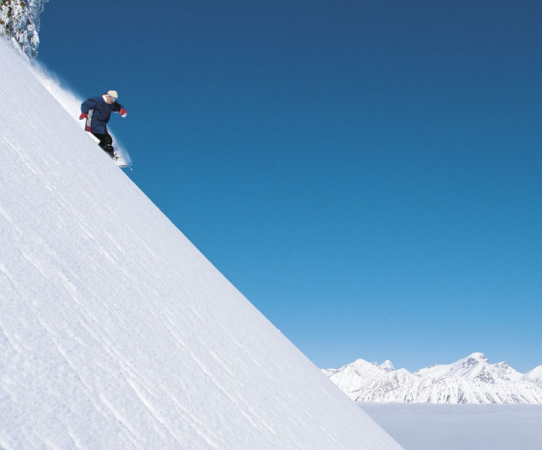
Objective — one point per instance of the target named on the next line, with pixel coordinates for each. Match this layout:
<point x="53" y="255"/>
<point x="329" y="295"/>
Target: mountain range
<point x="469" y="380"/>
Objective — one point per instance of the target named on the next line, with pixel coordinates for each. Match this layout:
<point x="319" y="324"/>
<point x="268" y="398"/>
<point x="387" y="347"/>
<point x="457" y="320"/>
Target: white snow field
<point x="424" y="426"/>
<point x="115" y="332"/>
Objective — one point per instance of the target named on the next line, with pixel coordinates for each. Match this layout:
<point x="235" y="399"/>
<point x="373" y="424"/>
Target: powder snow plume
<point x="71" y="102"/>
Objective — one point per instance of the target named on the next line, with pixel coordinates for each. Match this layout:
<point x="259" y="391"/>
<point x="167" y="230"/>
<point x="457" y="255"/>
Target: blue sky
<point x="368" y="174"/>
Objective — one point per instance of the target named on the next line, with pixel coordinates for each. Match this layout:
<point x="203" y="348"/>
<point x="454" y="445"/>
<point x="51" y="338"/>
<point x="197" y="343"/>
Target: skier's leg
<point x="106" y="142"/>
<point x="107" y="145"/>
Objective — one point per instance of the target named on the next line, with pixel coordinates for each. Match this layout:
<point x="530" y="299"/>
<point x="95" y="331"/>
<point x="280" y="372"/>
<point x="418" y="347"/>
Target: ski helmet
<point x="113" y="94"/>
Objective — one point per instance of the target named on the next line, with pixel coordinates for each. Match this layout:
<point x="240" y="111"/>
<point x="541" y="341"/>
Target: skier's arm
<point x="118" y="108"/>
<point x="87" y="105"/>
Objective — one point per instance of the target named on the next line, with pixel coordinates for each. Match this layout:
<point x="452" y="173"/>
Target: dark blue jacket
<point x="99" y="113"/>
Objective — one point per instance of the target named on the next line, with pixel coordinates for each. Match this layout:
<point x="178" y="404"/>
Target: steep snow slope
<point x="115" y="332"/>
<point x="470" y="380"/>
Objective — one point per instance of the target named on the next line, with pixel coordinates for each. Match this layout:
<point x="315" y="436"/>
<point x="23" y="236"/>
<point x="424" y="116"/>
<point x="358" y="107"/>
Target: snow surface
<point x="115" y="332"/>
<point x="469" y="380"/>
<point x="460" y="427"/>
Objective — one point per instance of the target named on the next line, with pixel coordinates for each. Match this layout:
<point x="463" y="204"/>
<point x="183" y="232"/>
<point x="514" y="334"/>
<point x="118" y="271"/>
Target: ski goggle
<point x="113" y="99"/>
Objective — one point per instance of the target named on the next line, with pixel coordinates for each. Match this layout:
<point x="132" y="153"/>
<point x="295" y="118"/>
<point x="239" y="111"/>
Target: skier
<point x="97" y="112"/>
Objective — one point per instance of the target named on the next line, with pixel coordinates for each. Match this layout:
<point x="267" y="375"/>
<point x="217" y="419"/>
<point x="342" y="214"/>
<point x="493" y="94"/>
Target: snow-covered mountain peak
<point x="474" y="366"/>
<point x="386" y="366"/>
<point x="535" y="375"/>
<point x="367" y="369"/>
<point x="476" y="358"/>
<point x="362" y="368"/>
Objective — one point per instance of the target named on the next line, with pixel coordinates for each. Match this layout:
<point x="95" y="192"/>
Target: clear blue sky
<point x="368" y="174"/>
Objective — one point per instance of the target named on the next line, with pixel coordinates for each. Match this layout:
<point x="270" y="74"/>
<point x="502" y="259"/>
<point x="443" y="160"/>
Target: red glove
<point x="123" y="113"/>
<point x="83" y="116"/>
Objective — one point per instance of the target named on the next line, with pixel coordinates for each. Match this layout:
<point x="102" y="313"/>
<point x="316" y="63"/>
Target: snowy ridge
<point x="470" y="380"/>
<point x="115" y="332"/>
<point x="20" y="21"/>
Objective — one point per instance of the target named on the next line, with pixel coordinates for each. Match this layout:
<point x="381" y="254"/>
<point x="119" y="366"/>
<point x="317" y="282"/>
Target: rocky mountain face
<point x="470" y="380"/>
<point x="20" y="22"/>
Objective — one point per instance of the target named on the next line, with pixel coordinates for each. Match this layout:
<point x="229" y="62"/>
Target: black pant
<point x="106" y="142"/>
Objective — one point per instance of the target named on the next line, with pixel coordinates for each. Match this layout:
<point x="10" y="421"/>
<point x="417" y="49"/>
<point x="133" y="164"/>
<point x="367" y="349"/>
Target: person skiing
<point x="97" y="112"/>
